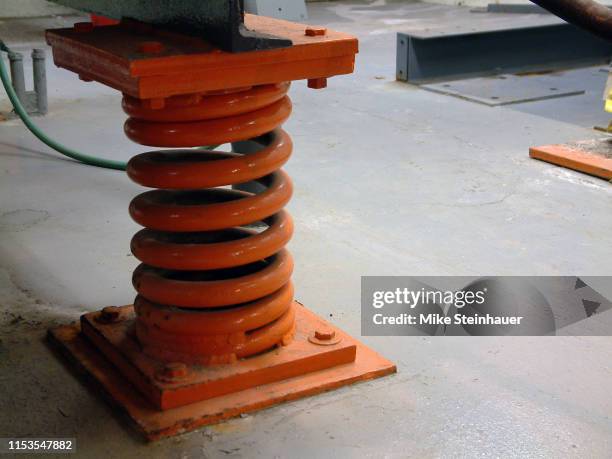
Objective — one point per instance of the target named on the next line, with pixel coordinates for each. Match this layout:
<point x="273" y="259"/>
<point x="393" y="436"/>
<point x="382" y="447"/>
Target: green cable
<point x="86" y="159"/>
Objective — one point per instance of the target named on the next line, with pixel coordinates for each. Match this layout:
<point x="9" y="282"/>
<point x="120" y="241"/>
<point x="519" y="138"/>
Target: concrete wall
<point x="29" y="8"/>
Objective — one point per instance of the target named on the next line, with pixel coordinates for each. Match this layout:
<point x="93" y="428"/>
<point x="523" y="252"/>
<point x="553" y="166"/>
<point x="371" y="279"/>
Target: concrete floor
<point x="390" y="180"/>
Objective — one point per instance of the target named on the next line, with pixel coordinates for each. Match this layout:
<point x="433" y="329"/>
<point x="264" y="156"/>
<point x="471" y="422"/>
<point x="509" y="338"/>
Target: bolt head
<point x="173" y="372"/>
<point x="315" y="31"/>
<point x="110" y="314"/>
<point x="325" y="334"/>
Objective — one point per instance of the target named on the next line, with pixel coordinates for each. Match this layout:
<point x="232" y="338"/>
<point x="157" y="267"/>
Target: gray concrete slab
<point x="390" y="180"/>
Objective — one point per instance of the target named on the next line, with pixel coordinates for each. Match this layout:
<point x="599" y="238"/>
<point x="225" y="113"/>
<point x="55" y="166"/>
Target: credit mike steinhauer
<point x="437" y="319"/>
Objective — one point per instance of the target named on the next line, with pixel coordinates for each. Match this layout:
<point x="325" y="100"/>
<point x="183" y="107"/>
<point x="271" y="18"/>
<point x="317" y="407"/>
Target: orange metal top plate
<point x="111" y="55"/>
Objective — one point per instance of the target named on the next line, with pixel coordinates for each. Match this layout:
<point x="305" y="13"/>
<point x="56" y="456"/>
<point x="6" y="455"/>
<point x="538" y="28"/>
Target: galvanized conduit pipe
<point x="33" y="101"/>
<point x="17" y="75"/>
<point x="40" y="80"/>
<point x="586" y="14"/>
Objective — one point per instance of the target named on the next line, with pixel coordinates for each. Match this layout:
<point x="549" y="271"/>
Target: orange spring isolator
<point x="211" y="288"/>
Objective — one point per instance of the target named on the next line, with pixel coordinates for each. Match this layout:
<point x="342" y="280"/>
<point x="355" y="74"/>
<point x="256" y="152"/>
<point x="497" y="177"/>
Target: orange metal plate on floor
<point x="187" y="65"/>
<point x="156" y="424"/>
<point x="596" y="159"/>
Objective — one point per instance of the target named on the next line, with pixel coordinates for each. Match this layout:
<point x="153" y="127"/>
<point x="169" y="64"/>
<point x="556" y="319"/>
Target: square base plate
<point x="508" y="89"/>
<point x="593" y="157"/>
<point x="155" y="423"/>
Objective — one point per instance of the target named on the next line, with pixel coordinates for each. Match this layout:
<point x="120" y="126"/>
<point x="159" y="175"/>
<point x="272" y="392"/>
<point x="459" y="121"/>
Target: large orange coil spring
<point x="210" y="288"/>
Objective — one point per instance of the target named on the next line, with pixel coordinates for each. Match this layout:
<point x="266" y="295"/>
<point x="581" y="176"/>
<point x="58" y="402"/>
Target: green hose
<point x="86" y="159"/>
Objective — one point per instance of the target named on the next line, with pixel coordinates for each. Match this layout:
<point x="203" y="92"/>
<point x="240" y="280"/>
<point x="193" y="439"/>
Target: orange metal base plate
<point x="336" y="368"/>
<point x="592" y="157"/>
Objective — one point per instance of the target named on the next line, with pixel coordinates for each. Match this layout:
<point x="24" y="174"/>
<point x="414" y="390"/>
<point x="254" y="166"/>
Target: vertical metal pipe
<point x="40" y="80"/>
<point x="17" y="75"/>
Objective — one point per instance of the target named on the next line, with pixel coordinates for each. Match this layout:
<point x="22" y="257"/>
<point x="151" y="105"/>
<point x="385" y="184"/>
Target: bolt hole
<point x="553" y="89"/>
<point x="494" y="97"/>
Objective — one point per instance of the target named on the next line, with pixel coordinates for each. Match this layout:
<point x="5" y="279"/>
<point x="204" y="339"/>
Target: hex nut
<point x="317" y="83"/>
<point x="173" y="372"/>
<point x="315" y="31"/>
<point x="109" y="315"/>
<point x="325" y="334"/>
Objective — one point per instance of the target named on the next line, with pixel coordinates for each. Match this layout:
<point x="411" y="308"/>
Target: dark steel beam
<point x="218" y="21"/>
<point x="429" y="56"/>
